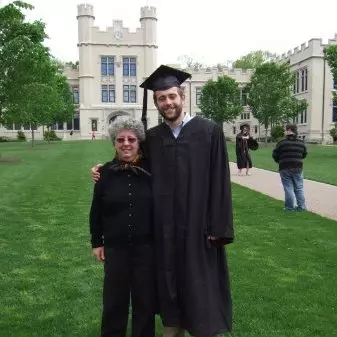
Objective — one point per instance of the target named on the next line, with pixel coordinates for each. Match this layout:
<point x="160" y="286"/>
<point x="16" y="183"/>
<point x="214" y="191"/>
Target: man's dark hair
<point x="292" y="128"/>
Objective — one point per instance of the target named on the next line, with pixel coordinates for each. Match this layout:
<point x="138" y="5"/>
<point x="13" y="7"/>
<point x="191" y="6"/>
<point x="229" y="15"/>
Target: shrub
<point x="333" y="133"/>
<point x="21" y="136"/>
<point x="50" y="135"/>
<point x="277" y="132"/>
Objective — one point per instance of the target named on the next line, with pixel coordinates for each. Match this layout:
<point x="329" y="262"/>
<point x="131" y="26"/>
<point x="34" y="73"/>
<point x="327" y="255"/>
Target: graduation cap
<point x="245" y="125"/>
<point x="162" y="78"/>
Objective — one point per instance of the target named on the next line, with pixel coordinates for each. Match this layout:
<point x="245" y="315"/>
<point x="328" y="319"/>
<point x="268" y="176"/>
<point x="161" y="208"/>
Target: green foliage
<point x="330" y="54"/>
<point x="50" y="135"/>
<point x="254" y="59"/>
<point x="32" y="88"/>
<point x="270" y="96"/>
<point x="220" y="100"/>
<point x="277" y="132"/>
<point x="21" y="136"/>
<point x="333" y="133"/>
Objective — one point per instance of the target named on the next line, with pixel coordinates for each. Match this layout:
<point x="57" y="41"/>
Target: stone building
<point x="114" y="62"/>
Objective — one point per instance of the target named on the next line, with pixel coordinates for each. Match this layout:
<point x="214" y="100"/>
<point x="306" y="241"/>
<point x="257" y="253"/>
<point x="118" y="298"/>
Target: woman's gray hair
<point x="126" y="123"/>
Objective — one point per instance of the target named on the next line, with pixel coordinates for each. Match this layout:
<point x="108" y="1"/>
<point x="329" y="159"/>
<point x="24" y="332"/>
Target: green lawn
<point x="283" y="266"/>
<point x="320" y="165"/>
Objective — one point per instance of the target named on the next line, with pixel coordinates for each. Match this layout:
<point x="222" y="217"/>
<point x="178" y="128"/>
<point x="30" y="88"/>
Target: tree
<point x="330" y="54"/>
<point x="37" y="105"/>
<point x="270" y="97"/>
<point x="277" y="132"/>
<point x="188" y="62"/>
<point x="32" y="89"/>
<point x="18" y="55"/>
<point x="220" y="100"/>
<point x="254" y="59"/>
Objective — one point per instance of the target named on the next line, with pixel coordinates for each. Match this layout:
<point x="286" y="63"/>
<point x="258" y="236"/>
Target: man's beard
<point x="178" y="110"/>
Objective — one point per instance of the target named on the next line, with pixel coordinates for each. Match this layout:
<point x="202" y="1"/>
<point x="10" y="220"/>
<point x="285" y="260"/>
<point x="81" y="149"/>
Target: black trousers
<point x="129" y="269"/>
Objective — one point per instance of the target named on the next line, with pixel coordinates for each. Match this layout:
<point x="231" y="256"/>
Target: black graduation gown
<point x="192" y="199"/>
<point x="243" y="159"/>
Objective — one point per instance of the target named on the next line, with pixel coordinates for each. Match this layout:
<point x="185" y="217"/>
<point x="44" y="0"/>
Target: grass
<point x="320" y="165"/>
<point x="283" y="266"/>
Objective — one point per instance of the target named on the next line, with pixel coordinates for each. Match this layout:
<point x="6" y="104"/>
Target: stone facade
<point x="113" y="63"/>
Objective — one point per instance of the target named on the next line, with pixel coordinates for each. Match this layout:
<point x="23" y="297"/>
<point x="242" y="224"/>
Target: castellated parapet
<point x="148" y="13"/>
<point x="312" y="48"/>
<point x="85" y="10"/>
<point x="204" y="74"/>
<point x="116" y="35"/>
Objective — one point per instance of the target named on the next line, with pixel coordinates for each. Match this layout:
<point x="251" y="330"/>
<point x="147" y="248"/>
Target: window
<point x="301" y="81"/>
<point x="74" y="124"/>
<point x="108" y="93"/>
<point x="57" y="126"/>
<point x="334" y="111"/>
<point x="107" y="66"/>
<point x="76" y="96"/>
<point x="244" y="97"/>
<point x="129" y="94"/>
<point x="301" y="118"/>
<point x="234" y="130"/>
<point x="76" y="121"/>
<point x="255" y="129"/>
<point x="17" y="127"/>
<point x="94" y="125"/>
<point x="129" y="66"/>
<point x="245" y="115"/>
<point x="197" y="95"/>
<point x="9" y="127"/>
<point x="304" y="79"/>
<point x="334" y="85"/>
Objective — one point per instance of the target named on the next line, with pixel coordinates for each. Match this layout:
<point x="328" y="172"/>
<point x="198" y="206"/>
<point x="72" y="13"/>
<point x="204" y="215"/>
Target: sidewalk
<point x="320" y="198"/>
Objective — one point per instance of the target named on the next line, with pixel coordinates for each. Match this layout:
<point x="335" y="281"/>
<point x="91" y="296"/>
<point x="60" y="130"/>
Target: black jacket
<point x="121" y="209"/>
<point x="289" y="153"/>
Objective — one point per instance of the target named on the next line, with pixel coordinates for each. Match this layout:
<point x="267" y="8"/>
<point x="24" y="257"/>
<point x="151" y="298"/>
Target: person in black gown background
<point x="244" y="143"/>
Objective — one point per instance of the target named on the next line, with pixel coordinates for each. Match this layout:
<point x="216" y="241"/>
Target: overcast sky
<point x="213" y="31"/>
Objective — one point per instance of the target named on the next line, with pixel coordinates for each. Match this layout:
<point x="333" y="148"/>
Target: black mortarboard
<point x="245" y="125"/>
<point x="162" y="78"/>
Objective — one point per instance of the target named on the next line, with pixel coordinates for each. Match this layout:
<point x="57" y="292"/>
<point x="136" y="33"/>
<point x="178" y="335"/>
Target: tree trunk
<point x="266" y="135"/>
<point x="32" y="137"/>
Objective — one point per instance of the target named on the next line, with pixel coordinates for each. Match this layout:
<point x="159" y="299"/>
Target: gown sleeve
<point x="95" y="222"/>
<point x="220" y="200"/>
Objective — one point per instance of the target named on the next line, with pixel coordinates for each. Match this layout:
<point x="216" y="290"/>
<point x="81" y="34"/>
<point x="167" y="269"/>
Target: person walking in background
<point x="244" y="143"/>
<point x="289" y="154"/>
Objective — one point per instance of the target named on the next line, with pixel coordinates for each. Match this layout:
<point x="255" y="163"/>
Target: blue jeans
<point x="292" y="181"/>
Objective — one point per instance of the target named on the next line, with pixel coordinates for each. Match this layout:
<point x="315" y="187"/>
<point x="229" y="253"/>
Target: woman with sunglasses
<point x="121" y="233"/>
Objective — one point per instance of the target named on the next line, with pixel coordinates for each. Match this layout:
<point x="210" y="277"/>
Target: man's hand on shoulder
<point x="95" y="175"/>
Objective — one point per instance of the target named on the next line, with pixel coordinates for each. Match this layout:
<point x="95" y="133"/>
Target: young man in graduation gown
<point x="193" y="213"/>
<point x="244" y="143"/>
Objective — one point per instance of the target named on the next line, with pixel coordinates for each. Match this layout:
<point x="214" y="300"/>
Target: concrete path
<point x="320" y="198"/>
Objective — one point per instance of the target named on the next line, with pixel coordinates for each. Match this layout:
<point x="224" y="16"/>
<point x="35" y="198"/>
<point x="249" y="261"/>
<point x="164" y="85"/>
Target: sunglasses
<point x="130" y="140"/>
